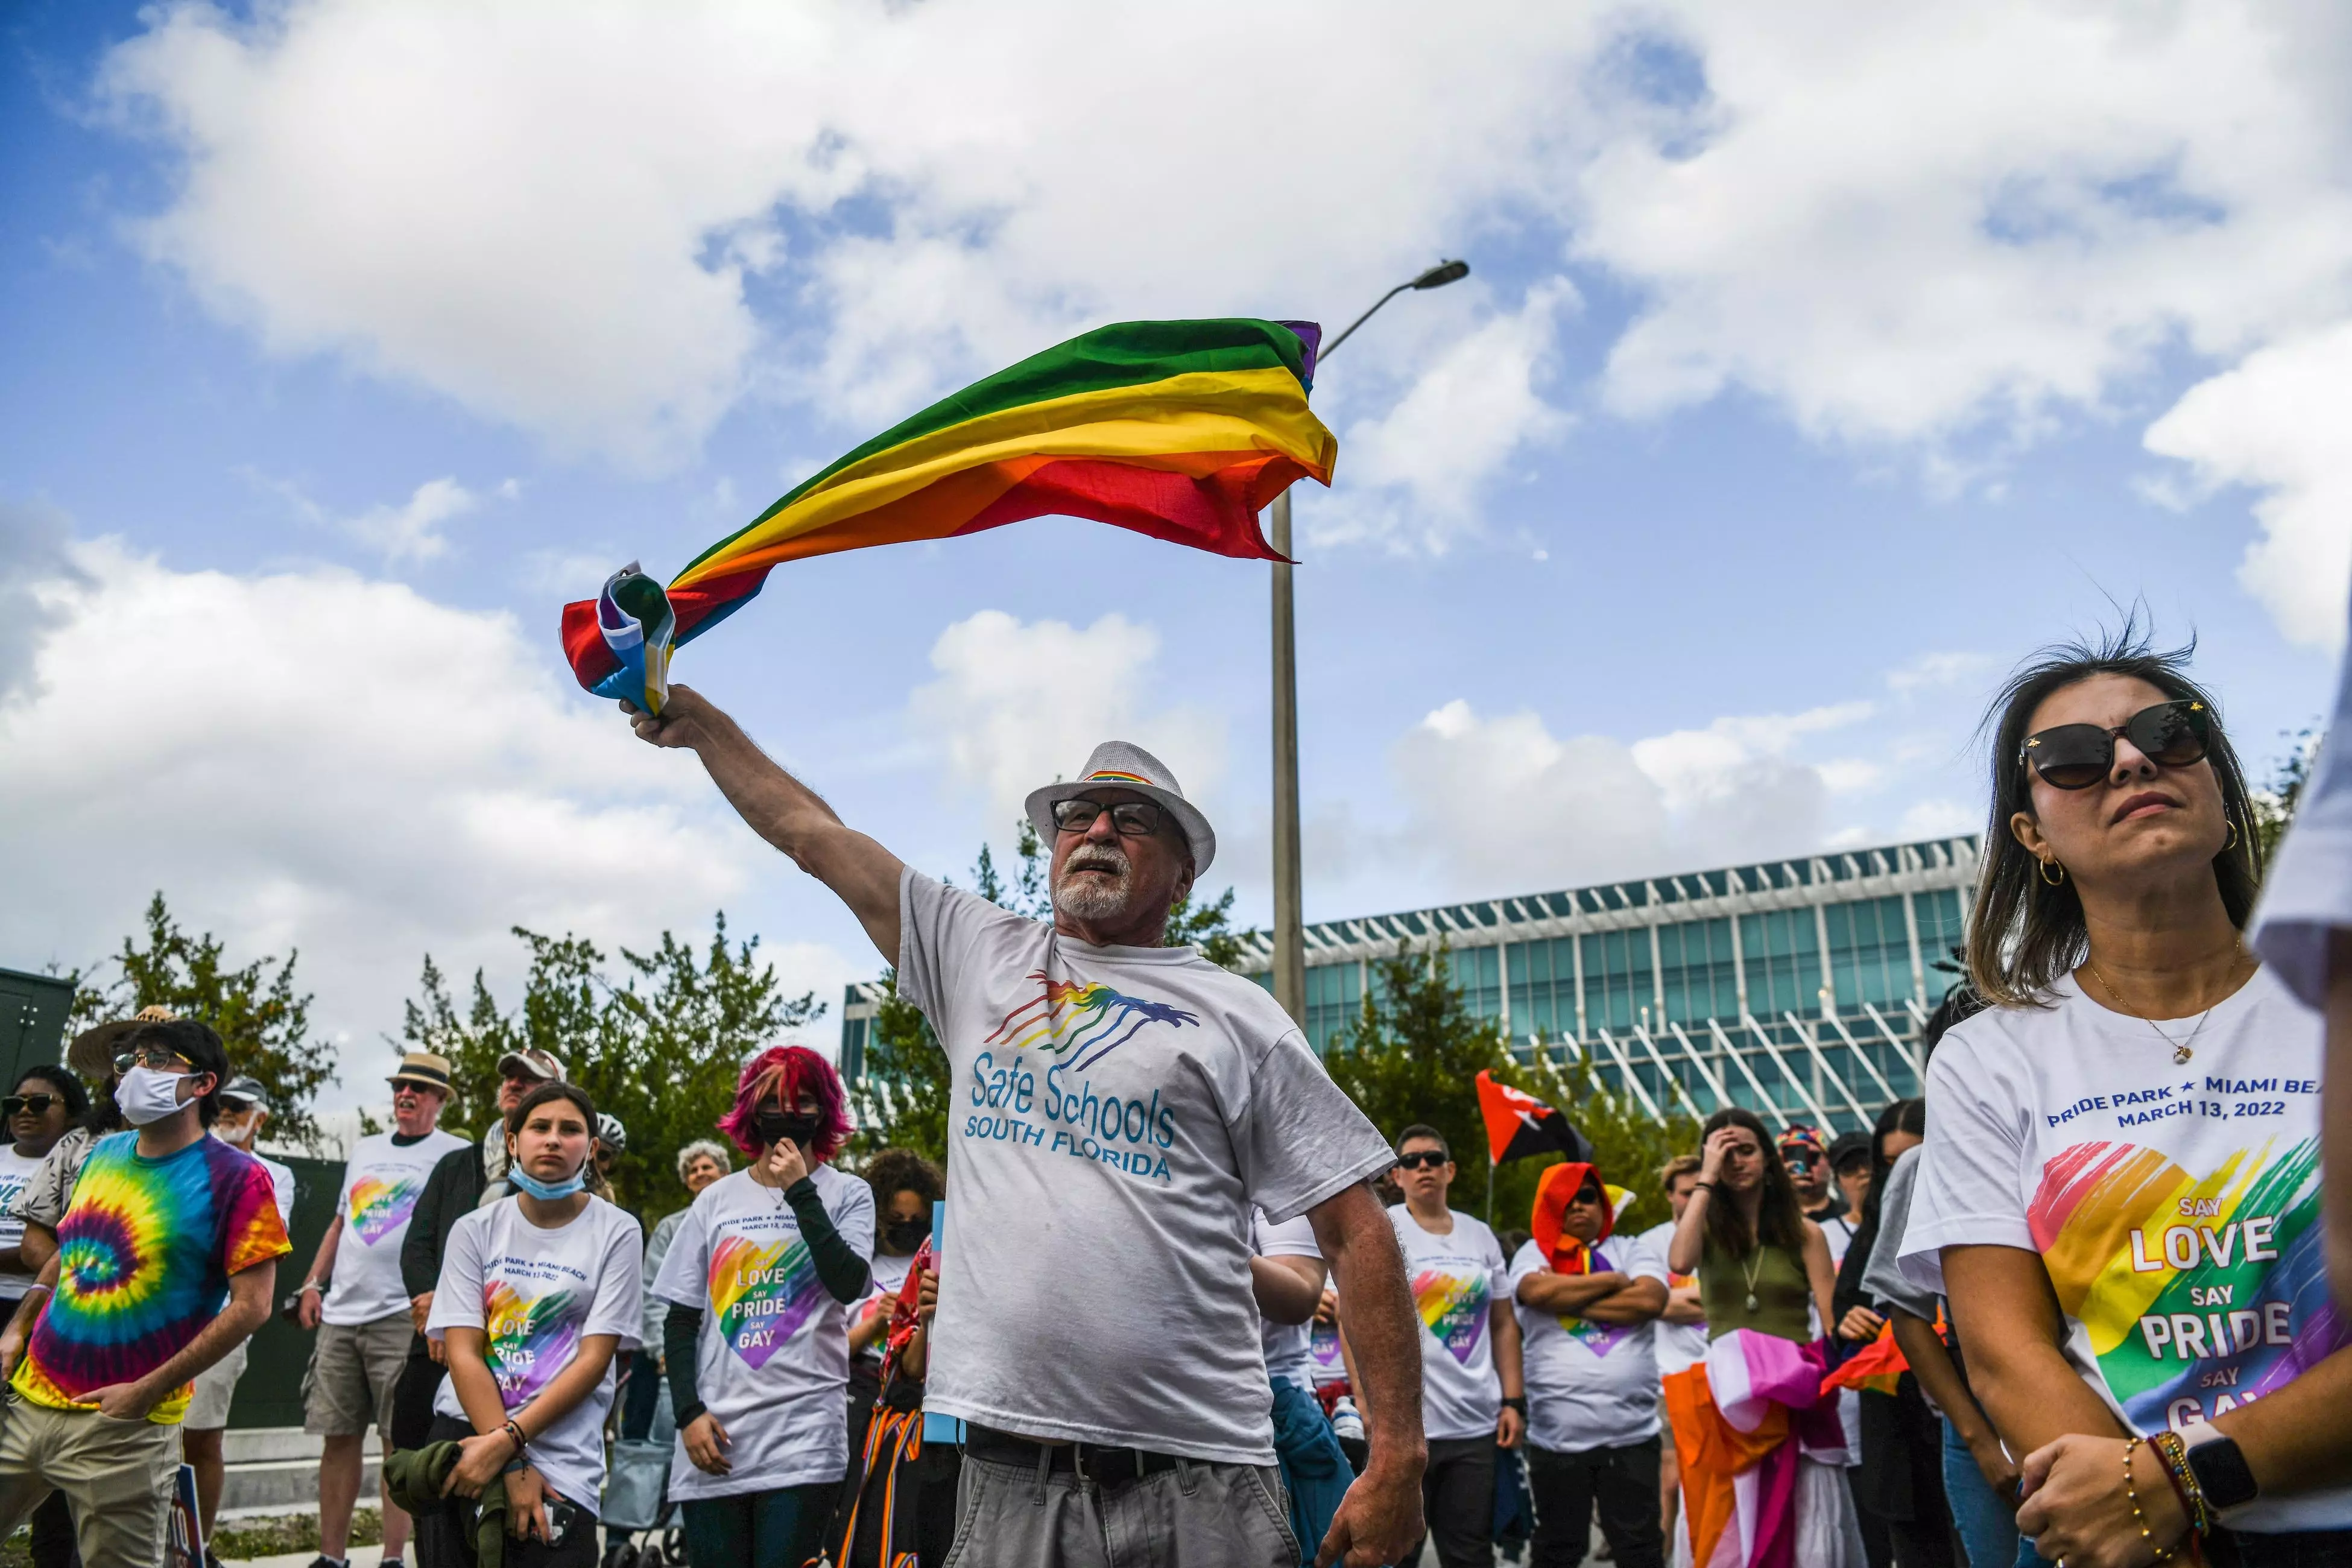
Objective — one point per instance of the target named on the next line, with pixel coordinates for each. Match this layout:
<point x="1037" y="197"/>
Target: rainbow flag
<point x="1878" y="1367"/>
<point x="1181" y="430"/>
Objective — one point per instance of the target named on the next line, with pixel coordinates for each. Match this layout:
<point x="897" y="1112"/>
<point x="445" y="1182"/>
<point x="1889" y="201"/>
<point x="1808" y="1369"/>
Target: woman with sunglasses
<point x="1763" y="1270"/>
<point x="2119" y="1193"/>
<point x="44" y="1101"/>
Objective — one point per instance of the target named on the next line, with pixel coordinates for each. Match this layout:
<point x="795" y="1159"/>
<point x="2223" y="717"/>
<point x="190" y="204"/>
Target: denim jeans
<point x="1987" y="1528"/>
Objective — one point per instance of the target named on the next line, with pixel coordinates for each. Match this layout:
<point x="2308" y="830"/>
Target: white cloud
<point x="1501" y="803"/>
<point x="412" y="531"/>
<point x="1932" y="671"/>
<point x="1459" y="426"/>
<point x="1901" y="222"/>
<point x="1939" y="819"/>
<point x="1017" y="705"/>
<point x="2276" y="423"/>
<point x="316" y="760"/>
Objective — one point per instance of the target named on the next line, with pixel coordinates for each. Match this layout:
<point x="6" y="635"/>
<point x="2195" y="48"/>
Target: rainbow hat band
<point x="1131" y="767"/>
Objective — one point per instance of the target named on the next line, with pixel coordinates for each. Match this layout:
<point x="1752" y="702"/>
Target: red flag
<point x="1519" y="1125"/>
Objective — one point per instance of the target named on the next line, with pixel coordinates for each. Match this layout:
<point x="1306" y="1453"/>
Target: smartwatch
<point x="2221" y="1470"/>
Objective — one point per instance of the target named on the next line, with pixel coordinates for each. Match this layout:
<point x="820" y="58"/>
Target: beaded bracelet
<point x="2175" y="1455"/>
<point x="2131" y="1495"/>
<point x="515" y="1432"/>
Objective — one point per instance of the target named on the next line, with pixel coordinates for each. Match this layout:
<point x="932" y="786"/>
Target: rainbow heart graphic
<point x="1598" y="1338"/>
<point x="2199" y="1293"/>
<point x="380" y="1207"/>
<point x="531" y="1337"/>
<point x="1453" y="1306"/>
<point x="763" y="1294"/>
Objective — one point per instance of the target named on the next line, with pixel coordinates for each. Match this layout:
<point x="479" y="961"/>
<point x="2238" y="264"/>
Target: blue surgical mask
<point x="548" y="1192"/>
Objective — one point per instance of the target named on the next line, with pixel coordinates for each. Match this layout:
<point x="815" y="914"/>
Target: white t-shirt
<point x="1838" y="1231"/>
<point x="1456" y="1279"/>
<point x="1286" y="1344"/>
<point x="537" y="1294"/>
<point x="2176" y="1207"/>
<point x="1589" y="1385"/>
<point x="1326" y="1362"/>
<point x="16" y="1170"/>
<point x="382" y="1181"/>
<point x="1118" y="1110"/>
<point x="2307" y="888"/>
<point x="1677" y="1345"/>
<point x="772" y="1360"/>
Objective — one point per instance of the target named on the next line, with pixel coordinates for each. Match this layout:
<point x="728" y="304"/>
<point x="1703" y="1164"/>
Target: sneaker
<point x="1345" y="1423"/>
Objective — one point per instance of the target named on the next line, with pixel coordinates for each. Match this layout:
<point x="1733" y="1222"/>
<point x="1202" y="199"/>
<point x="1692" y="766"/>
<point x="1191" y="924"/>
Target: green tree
<point x="1414" y="1054"/>
<point x="904" y="1094"/>
<point x="2274" y="802"/>
<point x="259" y="1015"/>
<point x="661" y="1049"/>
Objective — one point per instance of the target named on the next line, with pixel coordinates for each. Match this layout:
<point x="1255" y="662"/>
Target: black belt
<point x="1108" y="1468"/>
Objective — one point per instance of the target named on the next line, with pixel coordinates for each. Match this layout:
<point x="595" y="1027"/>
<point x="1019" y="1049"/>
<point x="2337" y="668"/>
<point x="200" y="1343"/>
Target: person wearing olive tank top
<point x="1762" y="1267"/>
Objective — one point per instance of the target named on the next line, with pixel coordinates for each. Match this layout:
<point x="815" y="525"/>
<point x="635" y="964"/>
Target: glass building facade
<point x="1794" y="987"/>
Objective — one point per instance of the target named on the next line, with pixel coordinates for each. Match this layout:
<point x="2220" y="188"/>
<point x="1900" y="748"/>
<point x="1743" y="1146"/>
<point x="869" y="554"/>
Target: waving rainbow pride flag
<point x="1182" y="430"/>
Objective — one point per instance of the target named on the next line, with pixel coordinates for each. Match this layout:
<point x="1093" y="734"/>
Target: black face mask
<point x="777" y="1125"/>
<point x="904" y="1235"/>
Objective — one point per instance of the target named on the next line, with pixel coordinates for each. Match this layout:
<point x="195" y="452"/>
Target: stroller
<point x="636" y="1495"/>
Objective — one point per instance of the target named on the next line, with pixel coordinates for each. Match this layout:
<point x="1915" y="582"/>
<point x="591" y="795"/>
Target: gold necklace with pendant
<point x="1749" y="1270"/>
<point x="2181" y="1049"/>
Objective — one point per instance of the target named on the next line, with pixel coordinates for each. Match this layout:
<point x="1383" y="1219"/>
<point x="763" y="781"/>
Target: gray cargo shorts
<point x="1198" y="1515"/>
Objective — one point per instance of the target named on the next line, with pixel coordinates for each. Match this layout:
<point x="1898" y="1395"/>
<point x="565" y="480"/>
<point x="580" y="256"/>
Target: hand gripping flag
<point x="1519" y="1125"/>
<point x="1181" y="430"/>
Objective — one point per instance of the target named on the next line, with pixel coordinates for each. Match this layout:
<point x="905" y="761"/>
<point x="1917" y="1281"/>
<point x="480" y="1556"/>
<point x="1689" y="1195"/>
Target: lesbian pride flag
<point x="1181" y="430"/>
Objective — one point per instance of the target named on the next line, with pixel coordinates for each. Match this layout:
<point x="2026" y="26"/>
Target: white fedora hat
<point x="1131" y="767"/>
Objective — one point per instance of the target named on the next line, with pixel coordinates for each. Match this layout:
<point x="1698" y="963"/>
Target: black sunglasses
<point x="1133" y="818"/>
<point x="38" y="1104"/>
<point x="1425" y="1159"/>
<point x="2076" y="756"/>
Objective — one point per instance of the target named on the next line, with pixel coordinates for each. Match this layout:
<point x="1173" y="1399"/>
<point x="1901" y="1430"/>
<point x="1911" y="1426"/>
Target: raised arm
<point x="783" y="811"/>
<point x="1381" y="1515"/>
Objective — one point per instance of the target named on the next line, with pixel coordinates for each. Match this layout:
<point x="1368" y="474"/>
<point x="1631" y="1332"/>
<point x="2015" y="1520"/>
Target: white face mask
<point x="145" y="1095"/>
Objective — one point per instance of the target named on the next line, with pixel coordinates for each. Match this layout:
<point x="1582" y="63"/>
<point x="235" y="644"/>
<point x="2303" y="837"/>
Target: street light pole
<point x="1289" y="917"/>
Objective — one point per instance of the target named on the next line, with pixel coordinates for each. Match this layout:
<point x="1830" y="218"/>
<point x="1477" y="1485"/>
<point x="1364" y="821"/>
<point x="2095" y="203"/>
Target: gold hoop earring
<point x="2231" y="843"/>
<point x="2057" y="881"/>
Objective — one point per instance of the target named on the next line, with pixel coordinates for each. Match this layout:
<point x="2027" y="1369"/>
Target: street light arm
<point x="1323" y="355"/>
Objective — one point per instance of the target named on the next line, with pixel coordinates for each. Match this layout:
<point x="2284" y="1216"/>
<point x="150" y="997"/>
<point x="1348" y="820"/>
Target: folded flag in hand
<point x="1181" y="430"/>
<point x="1877" y="1366"/>
<point x="1519" y="1125"/>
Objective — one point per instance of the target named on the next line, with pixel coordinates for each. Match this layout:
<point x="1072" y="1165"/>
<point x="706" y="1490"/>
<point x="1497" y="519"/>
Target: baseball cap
<point x="244" y="1089"/>
<point x="1848" y="1148"/>
<point x="532" y="1062"/>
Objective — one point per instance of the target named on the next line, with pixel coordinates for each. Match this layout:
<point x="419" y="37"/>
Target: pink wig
<point x="778" y="1076"/>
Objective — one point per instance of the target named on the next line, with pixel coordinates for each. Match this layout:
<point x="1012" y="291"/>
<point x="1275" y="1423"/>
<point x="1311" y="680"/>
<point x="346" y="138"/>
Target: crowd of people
<point x="2069" y="1306"/>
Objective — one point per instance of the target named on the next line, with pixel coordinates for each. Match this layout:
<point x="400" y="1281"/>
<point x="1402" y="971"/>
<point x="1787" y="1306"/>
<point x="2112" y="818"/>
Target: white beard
<point x="1084" y="897"/>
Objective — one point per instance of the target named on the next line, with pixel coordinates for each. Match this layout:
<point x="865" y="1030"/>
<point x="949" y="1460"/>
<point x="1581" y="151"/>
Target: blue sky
<point x="1808" y="376"/>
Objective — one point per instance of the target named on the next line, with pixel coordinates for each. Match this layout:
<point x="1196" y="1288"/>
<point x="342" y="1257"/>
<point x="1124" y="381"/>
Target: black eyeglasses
<point x="38" y="1104"/>
<point x="1425" y="1159"/>
<point x="2076" y="756"/>
<point x="1133" y="818"/>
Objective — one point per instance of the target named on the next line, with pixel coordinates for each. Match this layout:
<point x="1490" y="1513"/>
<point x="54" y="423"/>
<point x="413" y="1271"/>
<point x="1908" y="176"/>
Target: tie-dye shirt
<point x="536" y="1294"/>
<point x="1456" y="1279"/>
<point x="144" y="1253"/>
<point x="382" y="1181"/>
<point x="2176" y="1206"/>
<point x="1589" y="1385"/>
<point x="772" y="1362"/>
